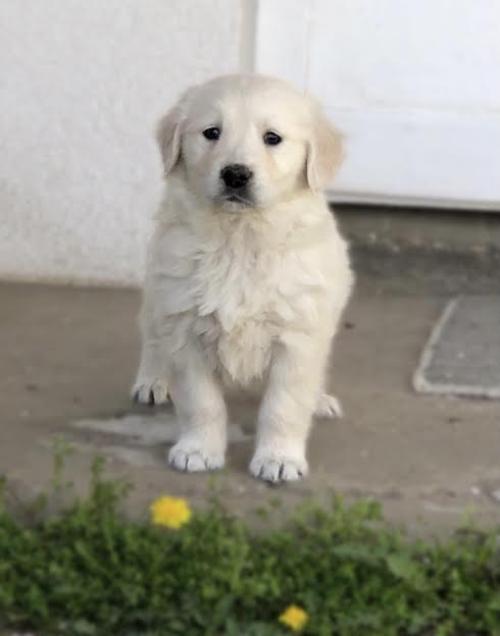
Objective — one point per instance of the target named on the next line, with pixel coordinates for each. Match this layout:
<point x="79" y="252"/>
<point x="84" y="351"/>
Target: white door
<point x="413" y="84"/>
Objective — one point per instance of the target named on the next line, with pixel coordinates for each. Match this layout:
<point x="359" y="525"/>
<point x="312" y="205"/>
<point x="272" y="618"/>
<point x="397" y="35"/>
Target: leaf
<point x="402" y="567"/>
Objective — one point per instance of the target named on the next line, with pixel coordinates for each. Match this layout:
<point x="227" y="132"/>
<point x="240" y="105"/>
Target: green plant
<point x="88" y="571"/>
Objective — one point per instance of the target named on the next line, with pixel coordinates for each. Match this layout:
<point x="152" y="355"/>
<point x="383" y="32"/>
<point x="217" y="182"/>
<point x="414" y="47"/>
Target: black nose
<point x="236" y="175"/>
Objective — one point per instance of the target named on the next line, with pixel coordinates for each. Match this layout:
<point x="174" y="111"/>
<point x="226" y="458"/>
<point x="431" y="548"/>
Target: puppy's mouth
<point x="237" y="199"/>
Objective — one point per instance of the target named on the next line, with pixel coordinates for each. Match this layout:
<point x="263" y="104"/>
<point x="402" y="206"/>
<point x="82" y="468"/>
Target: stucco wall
<point x="82" y="83"/>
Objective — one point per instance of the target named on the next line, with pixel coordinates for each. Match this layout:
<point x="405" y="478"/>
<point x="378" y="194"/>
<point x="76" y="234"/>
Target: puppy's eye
<point x="271" y="138"/>
<point x="212" y="133"/>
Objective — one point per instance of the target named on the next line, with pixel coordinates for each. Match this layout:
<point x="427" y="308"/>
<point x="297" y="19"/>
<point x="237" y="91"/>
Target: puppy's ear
<point x="169" y="131"/>
<point x="324" y="154"/>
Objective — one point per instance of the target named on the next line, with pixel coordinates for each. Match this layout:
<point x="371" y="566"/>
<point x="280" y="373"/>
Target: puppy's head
<point x="248" y="141"/>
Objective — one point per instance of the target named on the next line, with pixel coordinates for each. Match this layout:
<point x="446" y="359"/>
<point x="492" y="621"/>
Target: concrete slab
<point x="69" y="355"/>
<point x="462" y="356"/>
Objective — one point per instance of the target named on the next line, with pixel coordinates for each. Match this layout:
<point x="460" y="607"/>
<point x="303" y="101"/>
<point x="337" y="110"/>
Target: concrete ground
<point x="69" y="356"/>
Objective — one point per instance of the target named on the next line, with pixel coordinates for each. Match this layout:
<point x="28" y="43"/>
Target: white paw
<point x="276" y="468"/>
<point x="328" y="406"/>
<point x="154" y="391"/>
<point x="192" y="457"/>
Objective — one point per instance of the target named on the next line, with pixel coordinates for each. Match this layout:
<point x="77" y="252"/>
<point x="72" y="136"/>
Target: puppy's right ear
<point x="324" y="153"/>
<point x="169" y="132"/>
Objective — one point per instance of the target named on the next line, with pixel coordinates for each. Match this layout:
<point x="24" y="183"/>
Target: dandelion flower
<point x="294" y="617"/>
<point x="170" y="512"/>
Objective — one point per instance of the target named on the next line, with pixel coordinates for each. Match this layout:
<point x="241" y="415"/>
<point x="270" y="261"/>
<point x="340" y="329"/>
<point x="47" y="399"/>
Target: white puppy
<point x="247" y="274"/>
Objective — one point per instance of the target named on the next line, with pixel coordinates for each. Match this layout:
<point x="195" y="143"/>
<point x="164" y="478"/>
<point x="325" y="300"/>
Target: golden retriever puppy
<point x="247" y="275"/>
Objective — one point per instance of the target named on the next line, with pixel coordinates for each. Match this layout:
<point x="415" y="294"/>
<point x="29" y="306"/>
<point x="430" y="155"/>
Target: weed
<point x="89" y="572"/>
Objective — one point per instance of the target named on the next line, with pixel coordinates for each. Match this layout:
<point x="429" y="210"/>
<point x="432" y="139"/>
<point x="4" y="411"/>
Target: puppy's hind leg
<point x="150" y="386"/>
<point x="328" y="406"/>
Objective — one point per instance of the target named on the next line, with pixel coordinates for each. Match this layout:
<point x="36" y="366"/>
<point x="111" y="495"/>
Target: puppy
<point x="247" y="275"/>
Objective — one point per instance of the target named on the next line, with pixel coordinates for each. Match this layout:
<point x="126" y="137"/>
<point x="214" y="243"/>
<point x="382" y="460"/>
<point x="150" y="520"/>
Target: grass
<point x="87" y="571"/>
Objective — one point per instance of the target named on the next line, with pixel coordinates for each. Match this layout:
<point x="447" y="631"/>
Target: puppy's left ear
<point x="168" y="133"/>
<point x="324" y="153"/>
<point x="168" y="136"/>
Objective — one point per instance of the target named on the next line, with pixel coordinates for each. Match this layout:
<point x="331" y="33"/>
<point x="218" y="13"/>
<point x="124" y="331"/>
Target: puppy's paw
<point x="277" y="468"/>
<point x="328" y="406"/>
<point x="193" y="457"/>
<point x="150" y="391"/>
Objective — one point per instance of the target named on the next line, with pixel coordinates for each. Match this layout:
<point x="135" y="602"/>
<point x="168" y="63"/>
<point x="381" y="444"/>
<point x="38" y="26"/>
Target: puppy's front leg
<point x="285" y="416"/>
<point x="201" y="411"/>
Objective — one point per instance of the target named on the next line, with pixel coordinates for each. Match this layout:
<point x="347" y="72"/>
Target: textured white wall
<point x="82" y="83"/>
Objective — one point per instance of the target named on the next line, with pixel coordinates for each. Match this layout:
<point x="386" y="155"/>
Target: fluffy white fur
<point x="239" y="293"/>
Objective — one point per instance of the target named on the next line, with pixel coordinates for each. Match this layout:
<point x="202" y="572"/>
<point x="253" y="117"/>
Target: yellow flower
<point x="294" y="617"/>
<point x="170" y="512"/>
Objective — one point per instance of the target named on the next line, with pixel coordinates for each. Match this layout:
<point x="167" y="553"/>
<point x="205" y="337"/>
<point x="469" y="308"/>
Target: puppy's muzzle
<point x="236" y="185"/>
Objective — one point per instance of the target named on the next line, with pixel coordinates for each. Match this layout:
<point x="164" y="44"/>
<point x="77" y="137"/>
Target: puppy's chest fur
<point x="247" y="292"/>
